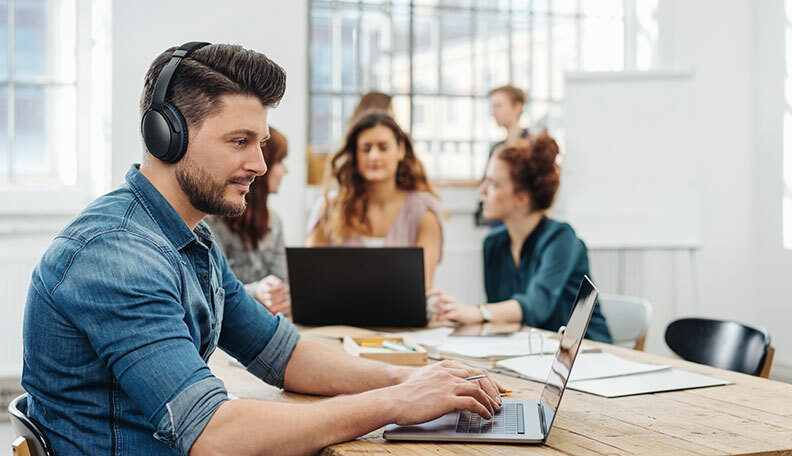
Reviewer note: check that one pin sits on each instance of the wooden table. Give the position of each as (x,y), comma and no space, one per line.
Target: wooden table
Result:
(752,416)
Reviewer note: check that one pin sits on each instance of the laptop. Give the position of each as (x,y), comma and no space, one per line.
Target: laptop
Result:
(357,286)
(517,421)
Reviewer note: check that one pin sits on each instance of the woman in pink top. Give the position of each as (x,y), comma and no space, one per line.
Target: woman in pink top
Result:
(383,198)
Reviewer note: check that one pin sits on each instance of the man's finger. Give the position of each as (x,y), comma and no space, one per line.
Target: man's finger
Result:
(472,389)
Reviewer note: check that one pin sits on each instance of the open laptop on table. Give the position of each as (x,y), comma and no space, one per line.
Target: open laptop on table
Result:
(357,286)
(517,421)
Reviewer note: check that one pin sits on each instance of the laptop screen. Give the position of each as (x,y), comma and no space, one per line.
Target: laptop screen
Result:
(567,351)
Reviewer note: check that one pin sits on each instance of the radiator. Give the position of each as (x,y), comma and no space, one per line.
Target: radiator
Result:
(14,280)
(18,257)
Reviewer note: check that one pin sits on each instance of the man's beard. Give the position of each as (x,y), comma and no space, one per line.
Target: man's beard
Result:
(205,193)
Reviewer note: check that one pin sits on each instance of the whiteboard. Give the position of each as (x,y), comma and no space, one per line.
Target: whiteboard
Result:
(629,172)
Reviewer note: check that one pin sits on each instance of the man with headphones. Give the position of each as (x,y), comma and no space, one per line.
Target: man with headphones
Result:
(132,297)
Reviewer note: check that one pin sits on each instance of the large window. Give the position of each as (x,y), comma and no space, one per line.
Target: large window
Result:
(440,58)
(53,101)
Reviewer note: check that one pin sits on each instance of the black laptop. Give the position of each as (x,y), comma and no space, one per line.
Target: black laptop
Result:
(357,286)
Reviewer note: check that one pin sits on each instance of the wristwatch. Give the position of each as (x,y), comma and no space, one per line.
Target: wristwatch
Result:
(486,314)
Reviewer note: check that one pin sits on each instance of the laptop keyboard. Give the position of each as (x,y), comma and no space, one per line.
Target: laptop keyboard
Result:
(508,420)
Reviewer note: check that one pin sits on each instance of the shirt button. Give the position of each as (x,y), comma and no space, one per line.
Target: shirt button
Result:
(205,277)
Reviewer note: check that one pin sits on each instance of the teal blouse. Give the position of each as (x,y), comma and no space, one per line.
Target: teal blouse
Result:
(552,264)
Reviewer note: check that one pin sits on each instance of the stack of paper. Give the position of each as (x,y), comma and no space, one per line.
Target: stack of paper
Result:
(608,375)
(652,382)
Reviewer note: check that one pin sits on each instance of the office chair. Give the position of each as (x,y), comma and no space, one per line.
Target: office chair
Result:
(31,441)
(627,318)
(723,344)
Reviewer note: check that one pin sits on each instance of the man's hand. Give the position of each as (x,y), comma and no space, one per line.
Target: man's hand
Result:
(448,308)
(434,390)
(273,294)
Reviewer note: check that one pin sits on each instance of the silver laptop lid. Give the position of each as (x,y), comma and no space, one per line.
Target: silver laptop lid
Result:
(571,339)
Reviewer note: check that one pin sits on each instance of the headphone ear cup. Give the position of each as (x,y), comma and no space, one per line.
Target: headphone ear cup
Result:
(157,133)
(178,140)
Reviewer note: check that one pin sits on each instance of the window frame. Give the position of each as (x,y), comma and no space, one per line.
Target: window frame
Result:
(337,94)
(24,198)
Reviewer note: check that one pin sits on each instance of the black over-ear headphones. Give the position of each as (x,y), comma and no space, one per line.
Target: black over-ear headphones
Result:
(163,127)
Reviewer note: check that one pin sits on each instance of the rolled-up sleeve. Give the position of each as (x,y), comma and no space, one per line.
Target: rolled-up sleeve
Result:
(270,364)
(189,413)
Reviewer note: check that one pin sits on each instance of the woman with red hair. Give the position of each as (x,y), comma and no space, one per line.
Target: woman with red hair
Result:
(533,265)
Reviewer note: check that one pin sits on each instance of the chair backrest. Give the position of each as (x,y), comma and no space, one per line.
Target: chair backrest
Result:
(718,343)
(37,442)
(627,317)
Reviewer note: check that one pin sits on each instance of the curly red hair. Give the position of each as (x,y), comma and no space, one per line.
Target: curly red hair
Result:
(533,168)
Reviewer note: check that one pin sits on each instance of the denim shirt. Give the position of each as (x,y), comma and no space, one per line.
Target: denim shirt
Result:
(123,311)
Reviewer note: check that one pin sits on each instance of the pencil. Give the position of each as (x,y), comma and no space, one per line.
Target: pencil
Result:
(476,377)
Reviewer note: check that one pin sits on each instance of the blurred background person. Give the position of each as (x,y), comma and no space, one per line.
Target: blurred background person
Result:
(533,265)
(382,199)
(507,104)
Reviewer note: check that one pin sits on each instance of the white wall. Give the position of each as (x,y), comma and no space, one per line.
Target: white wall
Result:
(277,28)
(715,39)
(772,303)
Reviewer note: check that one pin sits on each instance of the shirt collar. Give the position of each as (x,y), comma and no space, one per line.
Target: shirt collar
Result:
(530,242)
(169,221)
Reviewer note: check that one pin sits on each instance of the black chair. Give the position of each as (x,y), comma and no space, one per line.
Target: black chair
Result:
(31,441)
(723,344)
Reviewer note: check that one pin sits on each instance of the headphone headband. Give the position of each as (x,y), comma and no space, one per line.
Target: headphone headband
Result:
(165,76)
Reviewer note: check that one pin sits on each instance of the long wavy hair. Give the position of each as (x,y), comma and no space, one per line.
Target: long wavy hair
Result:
(253,224)
(347,211)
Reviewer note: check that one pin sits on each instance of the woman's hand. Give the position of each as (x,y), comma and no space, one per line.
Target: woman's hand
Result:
(448,308)
(273,294)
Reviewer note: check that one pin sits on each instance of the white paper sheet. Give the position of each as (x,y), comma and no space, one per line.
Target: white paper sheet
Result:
(651,382)
(587,366)
(518,344)
(494,349)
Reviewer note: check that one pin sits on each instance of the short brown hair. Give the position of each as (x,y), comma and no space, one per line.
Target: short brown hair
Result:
(516,95)
(533,168)
(371,101)
(253,224)
(211,72)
